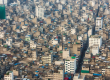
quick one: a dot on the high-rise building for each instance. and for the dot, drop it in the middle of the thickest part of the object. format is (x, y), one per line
(95, 39)
(2, 11)
(99, 23)
(4, 2)
(70, 65)
(40, 12)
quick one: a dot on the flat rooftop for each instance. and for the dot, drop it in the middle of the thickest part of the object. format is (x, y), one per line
(95, 36)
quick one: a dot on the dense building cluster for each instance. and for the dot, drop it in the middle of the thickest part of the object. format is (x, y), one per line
(55, 40)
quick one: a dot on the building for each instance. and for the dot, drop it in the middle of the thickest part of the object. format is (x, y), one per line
(9, 76)
(66, 53)
(63, 1)
(77, 46)
(95, 39)
(78, 77)
(40, 12)
(73, 30)
(95, 49)
(4, 2)
(70, 65)
(55, 41)
(99, 23)
(60, 7)
(47, 59)
(90, 32)
(32, 45)
(34, 55)
(57, 75)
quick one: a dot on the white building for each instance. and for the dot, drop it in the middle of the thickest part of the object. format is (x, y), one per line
(4, 2)
(40, 12)
(64, 38)
(80, 37)
(70, 65)
(89, 32)
(32, 45)
(63, 1)
(95, 39)
(92, 3)
(9, 41)
(2, 34)
(73, 31)
(99, 23)
(57, 1)
(9, 76)
(60, 7)
(54, 41)
(18, 1)
(95, 49)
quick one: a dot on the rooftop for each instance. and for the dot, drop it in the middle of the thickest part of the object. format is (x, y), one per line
(95, 36)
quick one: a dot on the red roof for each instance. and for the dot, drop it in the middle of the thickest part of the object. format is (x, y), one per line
(93, 57)
(9, 55)
(66, 78)
(41, 21)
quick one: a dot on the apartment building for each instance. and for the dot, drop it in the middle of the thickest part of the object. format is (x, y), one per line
(40, 12)
(77, 47)
(9, 76)
(34, 55)
(90, 32)
(47, 59)
(57, 75)
(95, 49)
(70, 65)
(99, 23)
(32, 45)
(95, 39)
(4, 2)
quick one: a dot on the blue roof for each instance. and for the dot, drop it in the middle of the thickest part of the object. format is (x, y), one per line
(36, 74)
(56, 39)
(46, 64)
(69, 42)
(42, 66)
(75, 55)
(36, 71)
(69, 77)
(56, 10)
(66, 73)
(97, 74)
(55, 55)
(65, 48)
(16, 63)
(84, 5)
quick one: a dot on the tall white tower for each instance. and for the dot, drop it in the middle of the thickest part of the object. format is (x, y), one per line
(40, 12)
(4, 2)
(1, 1)
(70, 65)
